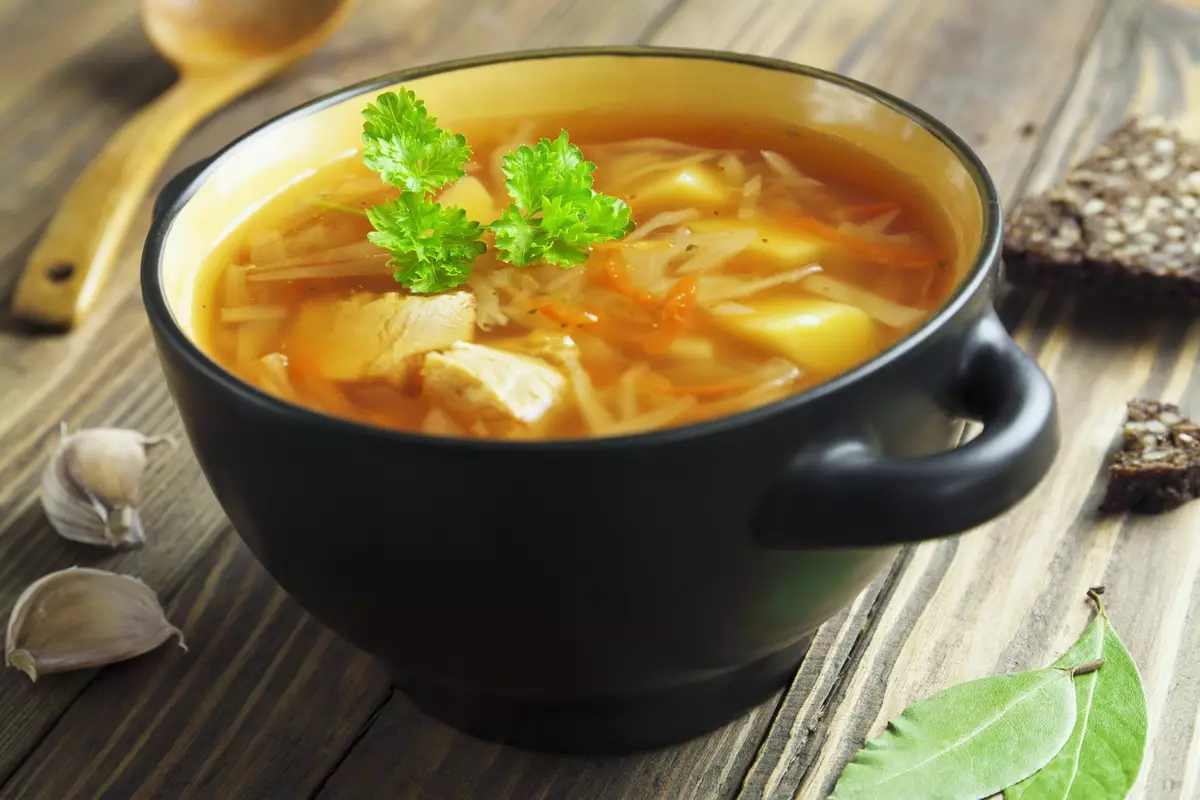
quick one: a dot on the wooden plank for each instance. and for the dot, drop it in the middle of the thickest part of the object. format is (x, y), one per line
(962, 46)
(1015, 589)
(261, 705)
(105, 373)
(181, 517)
(823, 16)
(857, 36)
(439, 762)
(81, 91)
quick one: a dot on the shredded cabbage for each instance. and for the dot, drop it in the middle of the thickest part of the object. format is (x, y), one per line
(718, 288)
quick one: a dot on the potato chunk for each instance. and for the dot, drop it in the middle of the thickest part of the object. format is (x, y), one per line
(816, 334)
(477, 380)
(471, 196)
(694, 185)
(775, 245)
(378, 335)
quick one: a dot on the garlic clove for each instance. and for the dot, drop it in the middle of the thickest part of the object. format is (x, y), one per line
(90, 486)
(109, 462)
(79, 618)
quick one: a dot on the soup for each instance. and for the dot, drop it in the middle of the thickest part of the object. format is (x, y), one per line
(761, 260)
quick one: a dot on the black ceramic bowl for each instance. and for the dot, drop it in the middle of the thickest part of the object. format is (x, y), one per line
(609, 594)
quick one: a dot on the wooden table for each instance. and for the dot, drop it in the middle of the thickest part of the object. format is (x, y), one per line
(268, 704)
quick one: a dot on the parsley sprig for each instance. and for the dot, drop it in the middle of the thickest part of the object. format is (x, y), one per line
(554, 218)
(556, 215)
(432, 245)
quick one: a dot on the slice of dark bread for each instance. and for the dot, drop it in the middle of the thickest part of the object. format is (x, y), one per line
(1125, 223)
(1158, 467)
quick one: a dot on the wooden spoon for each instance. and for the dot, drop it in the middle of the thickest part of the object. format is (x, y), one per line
(222, 49)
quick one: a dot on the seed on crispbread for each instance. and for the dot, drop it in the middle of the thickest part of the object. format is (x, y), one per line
(1158, 466)
(1124, 223)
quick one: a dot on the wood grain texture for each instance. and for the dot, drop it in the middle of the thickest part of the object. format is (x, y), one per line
(866, 40)
(76, 252)
(261, 705)
(71, 262)
(106, 373)
(1011, 595)
(267, 704)
(122, 389)
(441, 763)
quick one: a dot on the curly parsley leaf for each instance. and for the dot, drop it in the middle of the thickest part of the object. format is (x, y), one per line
(432, 245)
(404, 144)
(515, 237)
(554, 218)
(548, 169)
(555, 215)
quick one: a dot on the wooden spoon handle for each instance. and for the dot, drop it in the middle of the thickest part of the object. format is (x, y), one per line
(75, 254)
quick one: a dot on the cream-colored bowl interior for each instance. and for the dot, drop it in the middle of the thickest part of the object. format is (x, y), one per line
(263, 165)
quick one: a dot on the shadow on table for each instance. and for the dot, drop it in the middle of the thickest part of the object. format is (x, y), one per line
(1098, 320)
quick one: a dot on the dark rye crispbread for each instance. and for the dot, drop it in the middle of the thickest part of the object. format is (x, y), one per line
(1158, 467)
(1125, 223)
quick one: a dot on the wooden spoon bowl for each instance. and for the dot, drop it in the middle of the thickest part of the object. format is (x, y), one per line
(224, 34)
(222, 49)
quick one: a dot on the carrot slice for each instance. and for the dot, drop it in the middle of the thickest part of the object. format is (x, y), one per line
(565, 313)
(673, 315)
(680, 301)
(614, 273)
(893, 255)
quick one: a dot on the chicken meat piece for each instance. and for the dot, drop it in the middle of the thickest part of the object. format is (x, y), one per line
(378, 336)
(482, 381)
(557, 348)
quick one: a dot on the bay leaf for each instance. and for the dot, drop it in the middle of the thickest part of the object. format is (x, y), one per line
(1102, 757)
(969, 741)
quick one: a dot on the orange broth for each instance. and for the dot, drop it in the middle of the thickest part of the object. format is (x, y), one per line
(669, 330)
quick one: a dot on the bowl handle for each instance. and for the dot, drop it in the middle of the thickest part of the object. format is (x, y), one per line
(176, 186)
(843, 492)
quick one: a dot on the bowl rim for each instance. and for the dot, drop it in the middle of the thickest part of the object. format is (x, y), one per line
(163, 321)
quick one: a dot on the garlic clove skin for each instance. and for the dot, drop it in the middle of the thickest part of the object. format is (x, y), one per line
(90, 486)
(108, 462)
(80, 518)
(79, 618)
